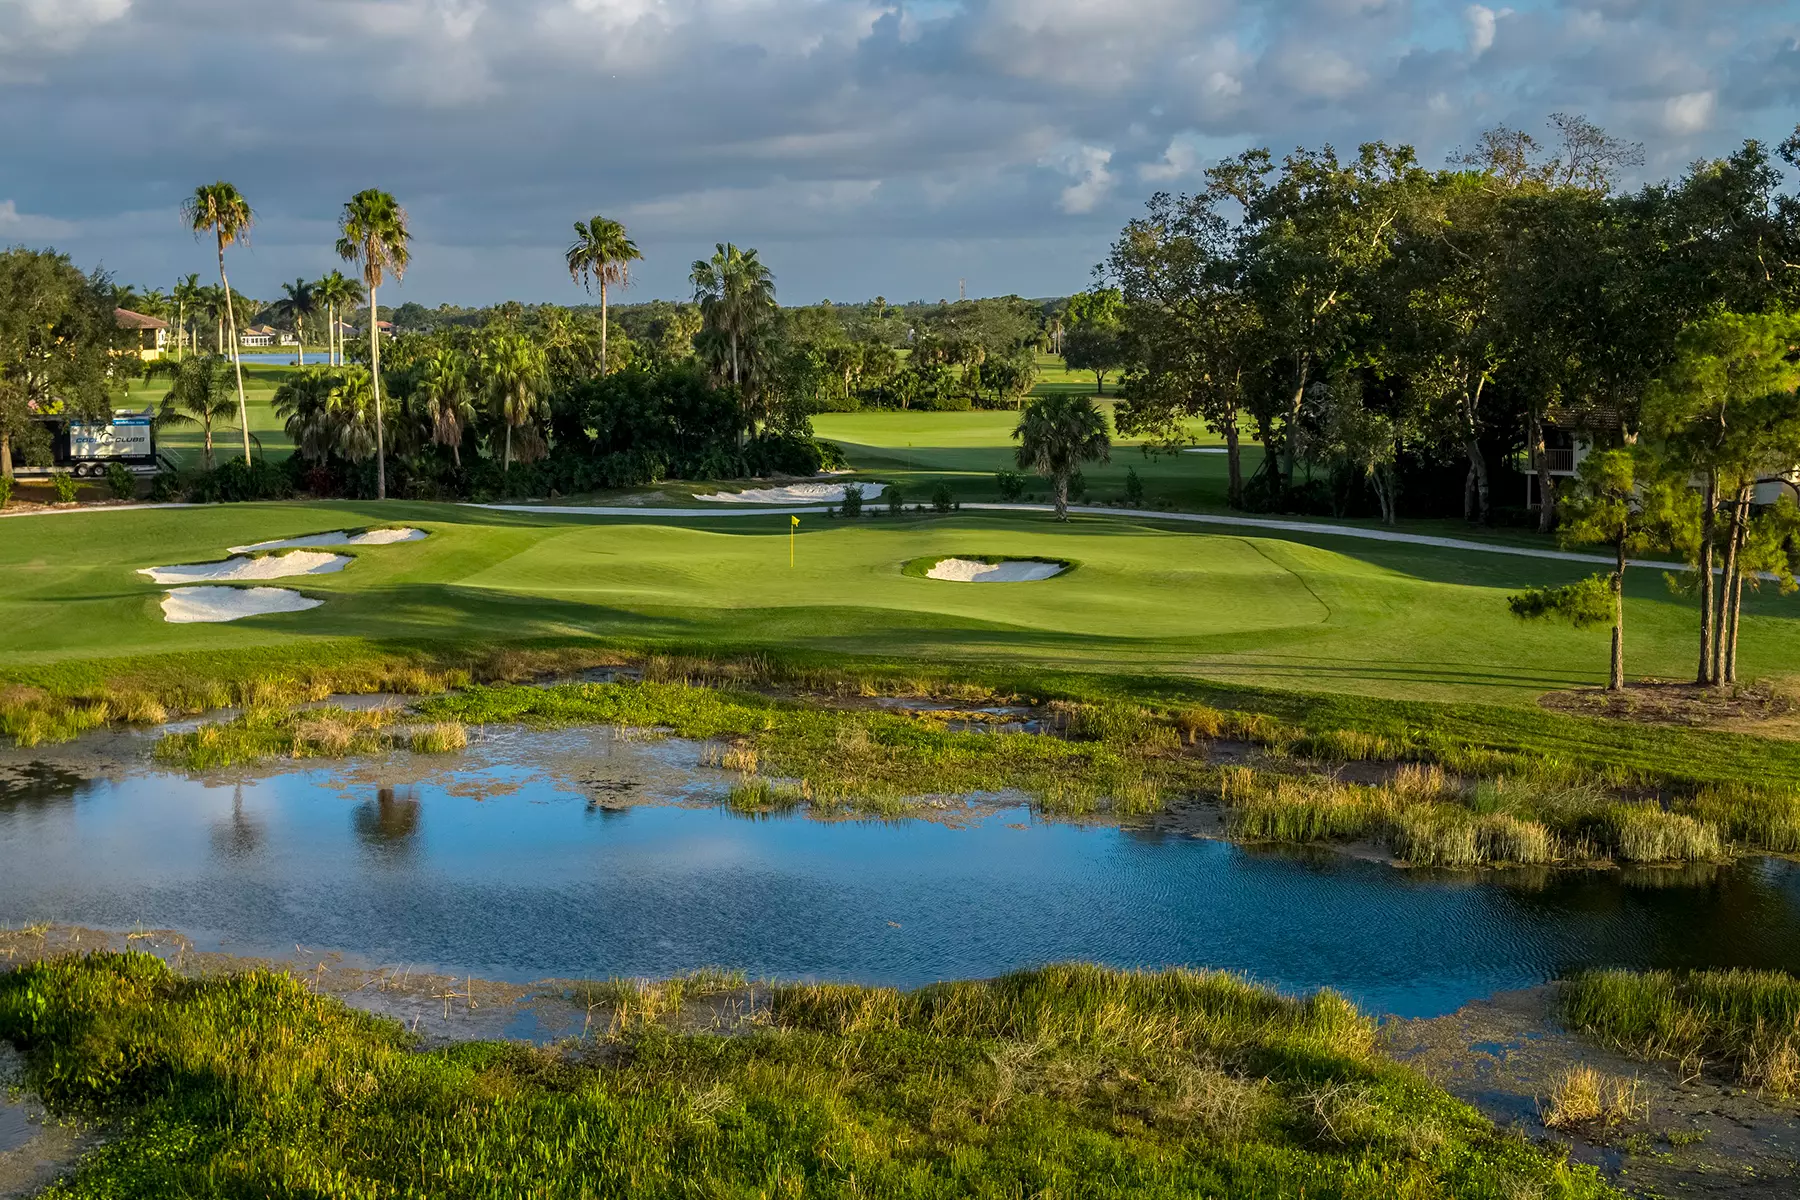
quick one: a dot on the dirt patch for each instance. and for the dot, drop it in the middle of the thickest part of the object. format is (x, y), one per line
(1768, 709)
(1695, 1136)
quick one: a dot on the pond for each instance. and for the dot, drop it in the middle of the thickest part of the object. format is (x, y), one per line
(585, 854)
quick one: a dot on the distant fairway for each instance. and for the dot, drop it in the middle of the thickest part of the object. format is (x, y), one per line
(1310, 613)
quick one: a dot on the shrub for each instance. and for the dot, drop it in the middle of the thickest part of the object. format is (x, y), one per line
(67, 489)
(165, 487)
(941, 498)
(1011, 485)
(1134, 488)
(896, 500)
(121, 481)
(853, 500)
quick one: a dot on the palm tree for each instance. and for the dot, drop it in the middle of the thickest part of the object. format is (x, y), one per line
(601, 254)
(299, 302)
(188, 294)
(1056, 435)
(334, 291)
(736, 294)
(303, 402)
(512, 366)
(446, 392)
(212, 303)
(220, 208)
(374, 236)
(200, 395)
(355, 408)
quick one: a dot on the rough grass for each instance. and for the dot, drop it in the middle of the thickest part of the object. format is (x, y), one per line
(1067, 1081)
(1746, 1020)
(329, 732)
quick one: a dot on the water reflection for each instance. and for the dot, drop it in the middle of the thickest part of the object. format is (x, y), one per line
(389, 824)
(37, 785)
(239, 835)
(507, 867)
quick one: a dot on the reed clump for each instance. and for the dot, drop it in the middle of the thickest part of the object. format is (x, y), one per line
(1759, 817)
(439, 737)
(1748, 1020)
(1584, 1100)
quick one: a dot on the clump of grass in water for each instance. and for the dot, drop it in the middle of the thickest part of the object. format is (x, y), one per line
(262, 734)
(441, 737)
(1749, 1019)
(1587, 1101)
(1758, 817)
(1067, 1080)
(758, 795)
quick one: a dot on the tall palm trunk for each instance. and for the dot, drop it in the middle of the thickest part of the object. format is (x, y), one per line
(375, 382)
(300, 327)
(603, 324)
(236, 363)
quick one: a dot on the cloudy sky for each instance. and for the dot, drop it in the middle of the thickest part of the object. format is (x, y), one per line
(865, 147)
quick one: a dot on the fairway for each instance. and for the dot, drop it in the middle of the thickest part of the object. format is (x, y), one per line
(1308, 612)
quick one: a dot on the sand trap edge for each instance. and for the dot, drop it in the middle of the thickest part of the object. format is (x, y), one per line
(920, 568)
(222, 603)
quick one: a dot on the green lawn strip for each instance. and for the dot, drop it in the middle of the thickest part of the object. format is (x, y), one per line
(1063, 1081)
(1747, 1019)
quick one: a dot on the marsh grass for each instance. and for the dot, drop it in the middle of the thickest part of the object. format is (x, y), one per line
(267, 733)
(1749, 1020)
(1584, 1100)
(1065, 1081)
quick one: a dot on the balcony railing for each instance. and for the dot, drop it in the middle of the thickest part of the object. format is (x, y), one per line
(1559, 459)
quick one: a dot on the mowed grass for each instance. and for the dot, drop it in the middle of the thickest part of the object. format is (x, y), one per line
(184, 443)
(1322, 614)
(1066, 1081)
(1316, 614)
(965, 450)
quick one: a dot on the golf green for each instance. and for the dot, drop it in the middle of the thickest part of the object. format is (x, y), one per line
(1308, 612)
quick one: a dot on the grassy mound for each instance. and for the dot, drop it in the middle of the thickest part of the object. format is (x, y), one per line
(1069, 1081)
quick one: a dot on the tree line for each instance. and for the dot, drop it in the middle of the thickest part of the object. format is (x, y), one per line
(1392, 335)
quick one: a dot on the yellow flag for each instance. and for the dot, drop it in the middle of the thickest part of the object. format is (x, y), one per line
(795, 520)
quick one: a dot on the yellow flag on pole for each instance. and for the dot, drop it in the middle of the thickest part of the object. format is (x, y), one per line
(794, 523)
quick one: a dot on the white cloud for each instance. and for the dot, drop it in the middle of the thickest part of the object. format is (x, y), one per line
(15, 224)
(1689, 113)
(1088, 167)
(1481, 21)
(1182, 160)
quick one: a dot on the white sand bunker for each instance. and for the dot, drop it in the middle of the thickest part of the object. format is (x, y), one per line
(196, 605)
(233, 570)
(1012, 570)
(337, 537)
(795, 493)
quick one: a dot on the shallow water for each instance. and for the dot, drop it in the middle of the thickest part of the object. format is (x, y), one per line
(581, 854)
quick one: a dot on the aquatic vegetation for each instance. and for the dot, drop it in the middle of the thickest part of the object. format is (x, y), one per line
(330, 732)
(1749, 1019)
(1588, 1101)
(1068, 1080)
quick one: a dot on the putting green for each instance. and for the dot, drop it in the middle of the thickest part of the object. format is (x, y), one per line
(1307, 612)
